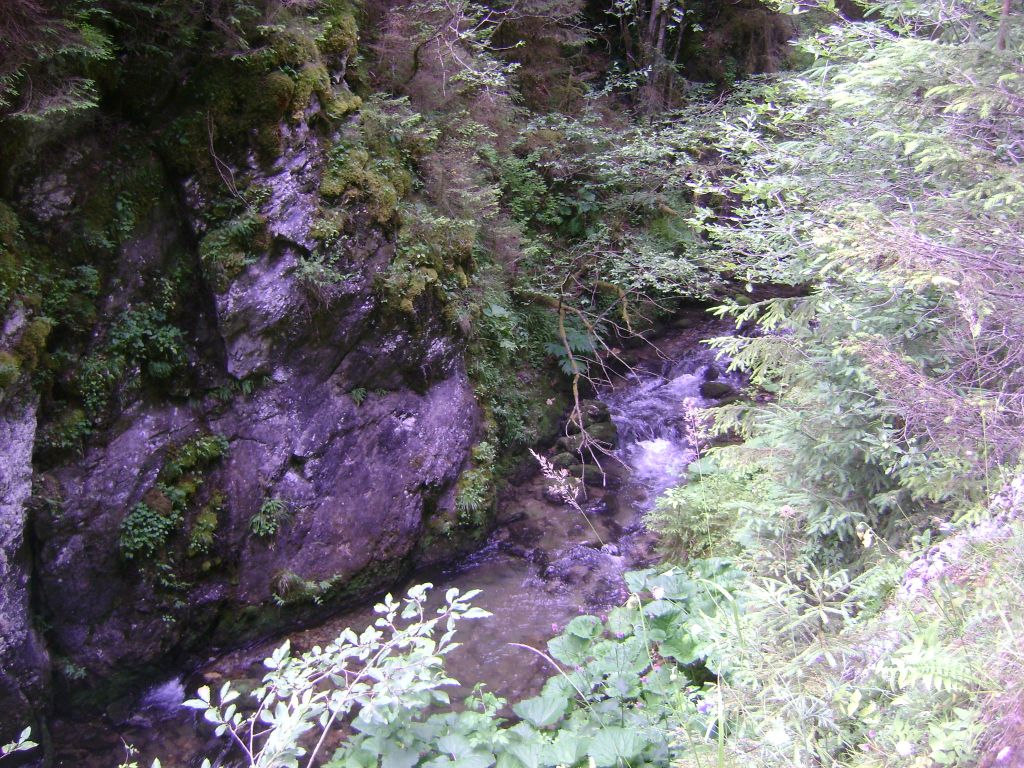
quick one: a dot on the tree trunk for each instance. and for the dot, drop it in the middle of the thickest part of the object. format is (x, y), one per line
(1004, 24)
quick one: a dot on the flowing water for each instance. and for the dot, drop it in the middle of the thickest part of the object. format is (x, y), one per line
(545, 563)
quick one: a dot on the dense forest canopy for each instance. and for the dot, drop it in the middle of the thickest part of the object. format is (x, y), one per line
(212, 211)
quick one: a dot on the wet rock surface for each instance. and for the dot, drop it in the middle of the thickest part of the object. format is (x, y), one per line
(25, 678)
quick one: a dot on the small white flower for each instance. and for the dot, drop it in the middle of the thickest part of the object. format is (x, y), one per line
(777, 736)
(658, 592)
(904, 748)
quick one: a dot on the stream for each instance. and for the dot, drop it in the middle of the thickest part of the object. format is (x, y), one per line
(544, 564)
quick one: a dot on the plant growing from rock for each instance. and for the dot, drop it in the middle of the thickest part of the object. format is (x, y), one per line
(145, 531)
(272, 514)
(291, 588)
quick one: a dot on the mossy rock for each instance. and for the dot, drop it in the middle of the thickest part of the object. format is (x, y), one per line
(590, 474)
(605, 434)
(313, 80)
(33, 341)
(380, 181)
(204, 527)
(10, 369)
(340, 36)
(565, 460)
(294, 47)
(278, 92)
(592, 411)
(328, 225)
(342, 103)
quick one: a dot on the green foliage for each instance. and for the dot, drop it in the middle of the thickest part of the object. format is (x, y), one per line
(843, 181)
(244, 387)
(144, 531)
(197, 453)
(22, 743)
(69, 670)
(50, 53)
(227, 249)
(95, 380)
(358, 395)
(875, 184)
(292, 589)
(65, 432)
(474, 493)
(723, 504)
(320, 276)
(811, 672)
(267, 521)
(204, 527)
(144, 337)
(621, 686)
(527, 193)
(573, 350)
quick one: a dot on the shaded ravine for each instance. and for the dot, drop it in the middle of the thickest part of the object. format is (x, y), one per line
(544, 564)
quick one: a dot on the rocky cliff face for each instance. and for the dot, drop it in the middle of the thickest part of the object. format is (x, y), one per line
(235, 437)
(23, 659)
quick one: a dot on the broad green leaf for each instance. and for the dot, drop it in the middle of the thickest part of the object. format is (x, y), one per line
(542, 711)
(399, 758)
(613, 744)
(587, 627)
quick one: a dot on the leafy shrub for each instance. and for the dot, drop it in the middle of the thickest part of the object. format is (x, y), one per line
(146, 337)
(96, 378)
(724, 504)
(621, 686)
